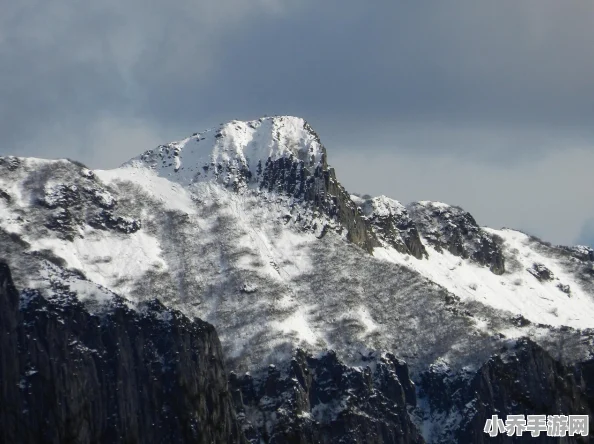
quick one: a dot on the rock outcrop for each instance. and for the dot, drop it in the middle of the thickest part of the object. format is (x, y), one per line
(223, 225)
(124, 376)
(452, 229)
(392, 225)
(319, 189)
(150, 374)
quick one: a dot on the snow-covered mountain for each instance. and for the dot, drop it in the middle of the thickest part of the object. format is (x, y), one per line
(248, 227)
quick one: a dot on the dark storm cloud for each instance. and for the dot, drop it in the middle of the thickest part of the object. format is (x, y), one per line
(495, 63)
(483, 85)
(67, 65)
(502, 63)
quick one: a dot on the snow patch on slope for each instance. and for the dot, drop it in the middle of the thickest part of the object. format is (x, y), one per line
(298, 324)
(515, 291)
(114, 261)
(380, 206)
(169, 194)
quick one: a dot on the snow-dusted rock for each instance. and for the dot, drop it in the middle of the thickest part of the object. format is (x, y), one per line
(455, 230)
(392, 225)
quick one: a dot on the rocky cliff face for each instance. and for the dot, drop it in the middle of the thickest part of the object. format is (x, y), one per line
(318, 188)
(522, 380)
(150, 374)
(281, 155)
(322, 400)
(147, 376)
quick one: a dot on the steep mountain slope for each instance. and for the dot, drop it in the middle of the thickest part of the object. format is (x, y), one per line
(247, 227)
(151, 375)
(148, 375)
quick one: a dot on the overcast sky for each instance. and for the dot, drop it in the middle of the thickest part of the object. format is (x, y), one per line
(486, 105)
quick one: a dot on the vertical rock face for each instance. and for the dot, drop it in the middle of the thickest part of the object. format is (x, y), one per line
(584, 374)
(524, 380)
(319, 189)
(217, 246)
(151, 375)
(146, 376)
(9, 357)
(321, 400)
(317, 185)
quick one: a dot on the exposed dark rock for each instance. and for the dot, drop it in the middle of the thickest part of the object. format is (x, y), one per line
(580, 252)
(66, 204)
(10, 409)
(309, 181)
(540, 272)
(64, 222)
(11, 163)
(520, 321)
(100, 197)
(321, 400)
(392, 224)
(4, 195)
(317, 185)
(61, 196)
(107, 220)
(584, 373)
(147, 376)
(451, 299)
(66, 207)
(455, 230)
(524, 380)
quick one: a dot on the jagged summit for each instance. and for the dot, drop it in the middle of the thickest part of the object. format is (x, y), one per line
(281, 155)
(236, 153)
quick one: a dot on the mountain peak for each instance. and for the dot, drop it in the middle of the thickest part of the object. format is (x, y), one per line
(236, 151)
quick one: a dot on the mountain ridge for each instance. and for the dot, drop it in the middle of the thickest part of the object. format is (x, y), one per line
(268, 158)
(277, 255)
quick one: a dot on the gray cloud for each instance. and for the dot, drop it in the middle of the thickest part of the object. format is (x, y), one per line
(586, 236)
(500, 62)
(500, 92)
